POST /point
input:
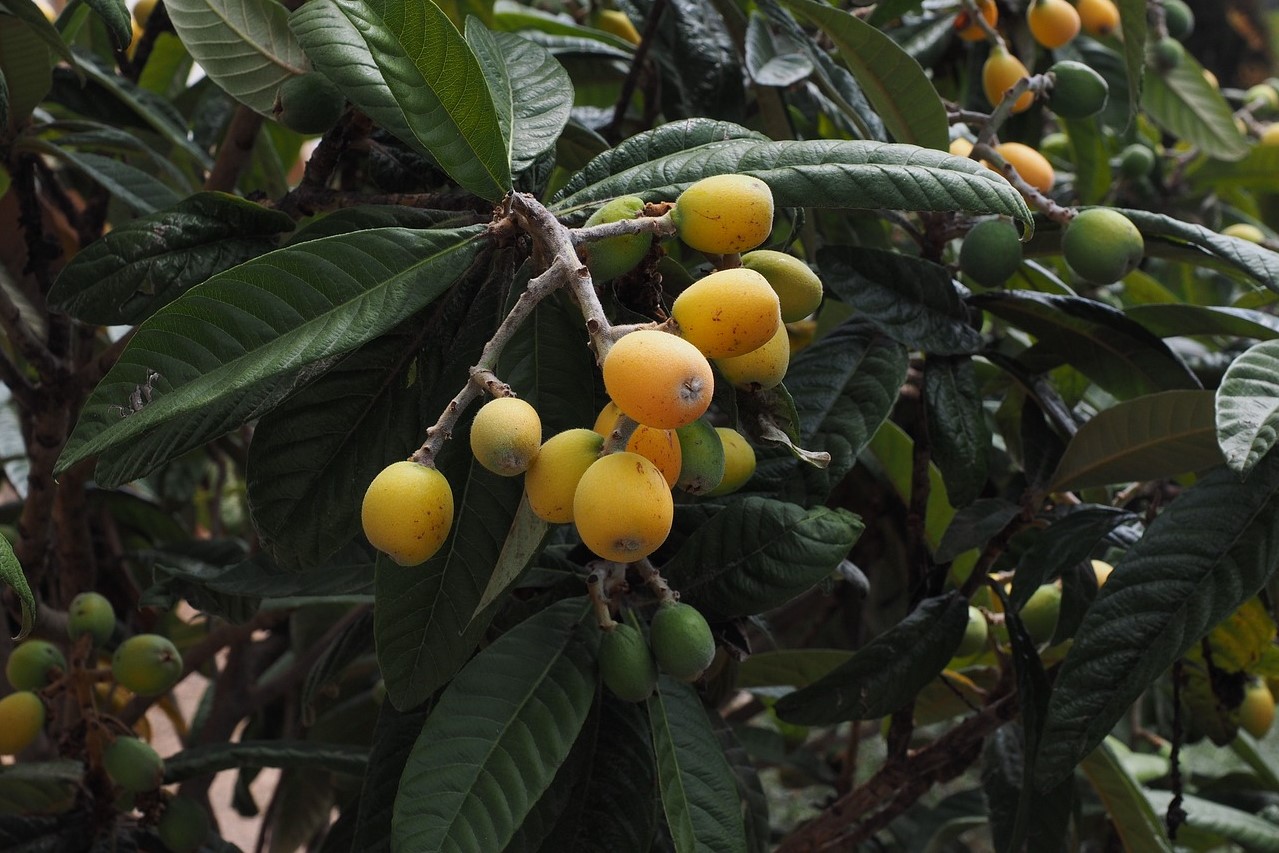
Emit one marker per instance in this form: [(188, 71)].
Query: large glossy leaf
[(32, 16), (1184, 103), (698, 61), (137, 189), (699, 791), (11, 573), (224, 351), (816, 173), (148, 262), (892, 79), (245, 47), (757, 554), (393, 738), (1152, 437), (115, 14), (1169, 237), (1173, 319), (1205, 555), (912, 300), (531, 92), (410, 69), (887, 672), (1103, 344), (497, 735), (958, 435), (27, 67), (1248, 407), (1126, 803), (209, 758), (1249, 831)]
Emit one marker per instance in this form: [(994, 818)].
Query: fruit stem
[(976, 17), (1036, 199), (660, 226), (653, 578), (616, 441), (1037, 83), (599, 600)]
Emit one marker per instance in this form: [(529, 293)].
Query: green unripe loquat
[(614, 256), (991, 252), (682, 641), (702, 458), (133, 765), (724, 214), (21, 720), (799, 290), (506, 435), (91, 613), (183, 826), (1245, 231), (552, 479), (309, 103), (626, 664), (1263, 98), (659, 379), (147, 664), (623, 508), (761, 368), (1167, 53), (1179, 19), (32, 665), (1078, 91), (407, 512), (739, 461), (1102, 245), (1039, 613), (728, 313), (1257, 711), (975, 634), (1136, 161)]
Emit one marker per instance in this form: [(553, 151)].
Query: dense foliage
[(851, 585)]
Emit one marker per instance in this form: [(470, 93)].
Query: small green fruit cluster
[(680, 641), (34, 664), (1102, 245), (991, 252), (183, 826), (147, 664), (91, 613), (309, 104), (133, 765)]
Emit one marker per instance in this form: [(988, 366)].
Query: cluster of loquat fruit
[(614, 482), (143, 665)]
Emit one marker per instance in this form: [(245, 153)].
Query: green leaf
[(750, 791), (914, 301), (244, 47), (698, 61), (1171, 238), (115, 14), (1064, 543), (523, 541), (1093, 178), (27, 67), (774, 59), (812, 173), (1152, 437), (1259, 172), (893, 449), (699, 790), (892, 79), (1209, 552), (531, 92), (393, 737), (974, 525), (11, 573), (1170, 320), (789, 667), (225, 350), (1046, 816), (146, 263), (958, 435), (33, 17), (887, 672), (757, 554), (416, 76), (136, 188), (1185, 104), (40, 787), (498, 734), (1248, 407), (1132, 23), (1129, 806), (1104, 345), (1247, 830), (209, 758), (515, 18)]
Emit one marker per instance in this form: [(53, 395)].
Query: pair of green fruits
[(679, 643), (1100, 244), (138, 769)]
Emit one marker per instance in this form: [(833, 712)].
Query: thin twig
[(237, 147), (637, 66)]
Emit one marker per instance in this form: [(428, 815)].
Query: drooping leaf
[(789, 667), (757, 554), (1103, 344), (33, 17), (699, 62), (888, 671), (1126, 802), (393, 738), (912, 300), (115, 14), (228, 350), (1247, 407), (138, 189), (40, 787), (1090, 156), (1063, 543), (209, 758), (146, 263), (1184, 103), (11, 573), (1206, 554), (813, 173), (958, 435), (1249, 831), (498, 734), (1174, 319), (892, 79), (699, 791), (750, 791), (522, 543), (531, 92), (1169, 237), (246, 48), (1259, 171), (974, 525), (1152, 437), (1132, 23), (1003, 783), (27, 67), (774, 58), (413, 73)]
